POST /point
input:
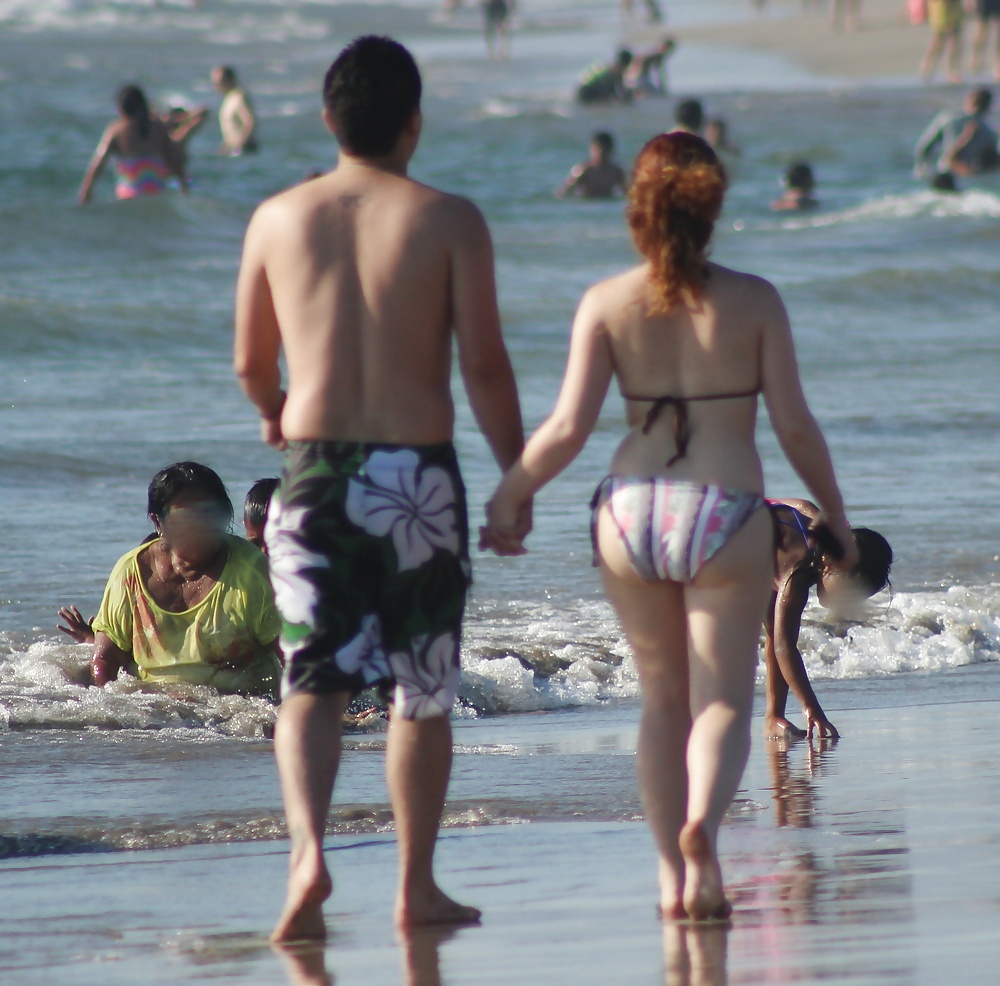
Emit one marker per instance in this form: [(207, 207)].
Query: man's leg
[(307, 747), (418, 765)]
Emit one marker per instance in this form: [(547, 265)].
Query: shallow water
[(116, 323)]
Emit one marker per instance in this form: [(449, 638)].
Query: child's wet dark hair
[(874, 555), (258, 500)]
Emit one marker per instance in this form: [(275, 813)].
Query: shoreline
[(885, 48)]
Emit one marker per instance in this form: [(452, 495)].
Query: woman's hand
[(834, 528), (77, 627)]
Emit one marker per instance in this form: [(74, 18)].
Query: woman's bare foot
[(432, 906), (309, 884), (704, 897), (671, 906)]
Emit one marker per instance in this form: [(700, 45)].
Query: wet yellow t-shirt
[(226, 640)]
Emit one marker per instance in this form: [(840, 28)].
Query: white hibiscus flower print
[(364, 653), (426, 680), (417, 509), (294, 595)]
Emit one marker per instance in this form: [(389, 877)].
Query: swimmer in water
[(599, 177), (799, 183), (145, 155), (237, 119)]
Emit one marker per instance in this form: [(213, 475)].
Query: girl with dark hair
[(803, 559), (145, 154), (680, 530)]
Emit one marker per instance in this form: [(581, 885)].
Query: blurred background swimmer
[(145, 155), (800, 183), (600, 177), (255, 509), (605, 83), (237, 119)]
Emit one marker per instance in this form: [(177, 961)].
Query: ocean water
[(116, 327)]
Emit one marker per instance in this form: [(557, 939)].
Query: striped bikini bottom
[(670, 527)]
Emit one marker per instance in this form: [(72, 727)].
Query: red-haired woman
[(680, 529)]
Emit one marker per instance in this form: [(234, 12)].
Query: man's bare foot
[(776, 727), (704, 897), (432, 906), (302, 919)]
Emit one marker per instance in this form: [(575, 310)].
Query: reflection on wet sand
[(792, 787), (305, 963), (695, 954)]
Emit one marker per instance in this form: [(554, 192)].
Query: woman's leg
[(655, 622), (725, 606)]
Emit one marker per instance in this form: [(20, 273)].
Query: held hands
[(507, 525)]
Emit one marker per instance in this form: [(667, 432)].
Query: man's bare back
[(363, 275)]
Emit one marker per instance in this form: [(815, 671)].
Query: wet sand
[(872, 862), (885, 46)]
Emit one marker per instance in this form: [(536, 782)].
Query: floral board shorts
[(369, 553)]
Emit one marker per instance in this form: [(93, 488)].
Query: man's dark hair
[(800, 175), (182, 477), (259, 499), (981, 100), (690, 115), (604, 141), (371, 90)]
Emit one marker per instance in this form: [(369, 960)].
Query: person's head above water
[(255, 509), (689, 115), (623, 58), (800, 177), (224, 77), (870, 575), (978, 101), (371, 92), (675, 198), (603, 144), (132, 105)]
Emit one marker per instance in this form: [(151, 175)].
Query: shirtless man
[(362, 277), (237, 120)]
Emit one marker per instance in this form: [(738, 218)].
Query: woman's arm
[(557, 442), (795, 427), (97, 163), (107, 660)]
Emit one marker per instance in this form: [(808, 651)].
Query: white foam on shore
[(537, 657)]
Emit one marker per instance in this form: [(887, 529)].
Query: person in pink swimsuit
[(683, 539)]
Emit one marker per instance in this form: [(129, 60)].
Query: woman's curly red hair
[(676, 196)]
